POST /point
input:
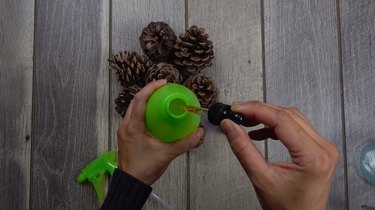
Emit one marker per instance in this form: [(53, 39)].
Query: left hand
[(140, 154)]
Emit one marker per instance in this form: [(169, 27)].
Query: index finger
[(289, 131), (140, 99)]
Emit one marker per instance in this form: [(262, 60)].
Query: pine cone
[(204, 88), (164, 71), (193, 52), (157, 41), (130, 67), (124, 98)]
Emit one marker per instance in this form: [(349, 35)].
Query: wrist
[(134, 173), (137, 173)]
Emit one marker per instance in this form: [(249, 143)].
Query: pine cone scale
[(187, 63), (195, 58)]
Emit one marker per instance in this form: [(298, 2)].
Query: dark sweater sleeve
[(125, 192)]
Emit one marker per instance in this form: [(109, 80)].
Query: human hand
[(140, 154), (302, 184)]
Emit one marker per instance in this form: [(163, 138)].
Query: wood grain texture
[(358, 57), (302, 70), (16, 73), (217, 181), (70, 121), (128, 20)]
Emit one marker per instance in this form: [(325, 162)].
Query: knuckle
[(131, 129), (255, 103), (293, 110), (137, 97), (319, 165), (324, 165), (284, 115), (126, 131), (334, 152), (120, 133)]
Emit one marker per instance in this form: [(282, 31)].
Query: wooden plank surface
[(16, 73), (71, 92), (70, 108), (128, 20), (302, 70), (358, 57), (217, 181)]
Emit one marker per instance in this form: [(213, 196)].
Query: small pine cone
[(130, 67), (194, 51), (204, 88), (157, 41), (164, 71), (124, 98)]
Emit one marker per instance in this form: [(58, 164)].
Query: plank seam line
[(33, 106), (109, 77), (188, 189), (339, 43), (264, 88), (186, 15)]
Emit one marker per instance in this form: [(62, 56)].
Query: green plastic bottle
[(166, 118)]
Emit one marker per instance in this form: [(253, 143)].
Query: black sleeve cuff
[(125, 192)]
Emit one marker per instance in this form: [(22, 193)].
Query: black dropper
[(219, 111)]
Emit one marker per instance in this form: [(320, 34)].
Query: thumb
[(249, 156), (188, 143)]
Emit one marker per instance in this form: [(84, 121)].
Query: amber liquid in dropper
[(194, 109)]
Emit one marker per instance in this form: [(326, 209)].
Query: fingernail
[(226, 126), (200, 133), (162, 81), (237, 105)]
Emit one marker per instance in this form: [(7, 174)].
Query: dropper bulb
[(219, 111)]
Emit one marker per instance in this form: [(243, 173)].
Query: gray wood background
[(358, 65), (57, 111), (16, 85), (303, 70)]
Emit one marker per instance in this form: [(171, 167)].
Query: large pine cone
[(124, 98), (164, 71), (130, 67), (204, 88), (157, 41), (194, 51)]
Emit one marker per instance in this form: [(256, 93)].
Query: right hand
[(303, 183)]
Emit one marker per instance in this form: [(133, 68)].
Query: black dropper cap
[(219, 111)]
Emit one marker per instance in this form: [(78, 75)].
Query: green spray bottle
[(166, 117)]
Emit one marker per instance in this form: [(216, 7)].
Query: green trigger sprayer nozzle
[(94, 172)]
